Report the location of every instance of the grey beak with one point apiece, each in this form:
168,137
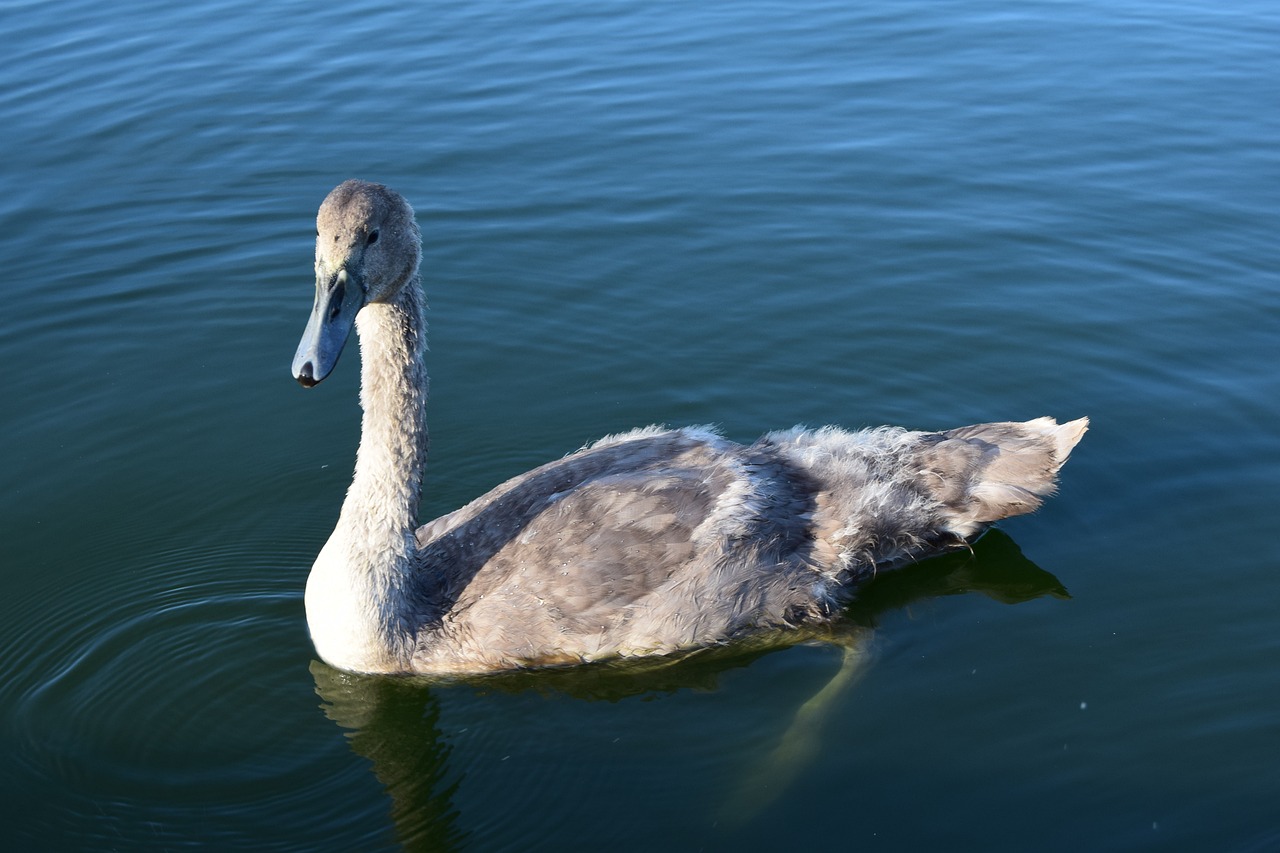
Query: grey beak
339,299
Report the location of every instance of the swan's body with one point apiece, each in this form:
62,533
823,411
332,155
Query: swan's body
645,543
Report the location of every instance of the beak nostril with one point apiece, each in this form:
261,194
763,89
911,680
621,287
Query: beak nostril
339,296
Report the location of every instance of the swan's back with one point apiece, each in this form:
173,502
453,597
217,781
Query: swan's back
662,540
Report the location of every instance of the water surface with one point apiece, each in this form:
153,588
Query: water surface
748,214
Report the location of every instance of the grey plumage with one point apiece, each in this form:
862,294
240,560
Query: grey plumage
644,543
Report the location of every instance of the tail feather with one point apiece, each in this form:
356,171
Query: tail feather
987,472
887,496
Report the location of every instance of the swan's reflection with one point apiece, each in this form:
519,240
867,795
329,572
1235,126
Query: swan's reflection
393,722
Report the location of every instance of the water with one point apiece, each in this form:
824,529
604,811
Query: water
749,214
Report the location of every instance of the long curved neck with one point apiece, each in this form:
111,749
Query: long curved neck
382,503
359,587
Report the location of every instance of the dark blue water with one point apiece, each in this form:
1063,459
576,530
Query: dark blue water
750,214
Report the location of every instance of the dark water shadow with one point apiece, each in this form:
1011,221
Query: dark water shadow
394,722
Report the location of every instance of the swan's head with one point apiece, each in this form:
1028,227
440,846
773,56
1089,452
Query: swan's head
367,249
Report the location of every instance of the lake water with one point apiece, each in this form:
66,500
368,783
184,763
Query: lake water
752,214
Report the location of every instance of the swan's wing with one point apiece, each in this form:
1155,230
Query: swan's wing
641,452
625,548
433,530
610,506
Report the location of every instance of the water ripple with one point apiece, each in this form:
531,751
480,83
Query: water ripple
755,214
190,698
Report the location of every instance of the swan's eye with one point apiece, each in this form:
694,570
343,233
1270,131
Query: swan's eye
372,238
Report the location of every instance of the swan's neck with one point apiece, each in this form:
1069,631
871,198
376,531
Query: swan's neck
359,587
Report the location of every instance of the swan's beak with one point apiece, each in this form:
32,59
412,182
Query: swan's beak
338,299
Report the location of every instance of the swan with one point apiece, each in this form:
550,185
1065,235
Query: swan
649,542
